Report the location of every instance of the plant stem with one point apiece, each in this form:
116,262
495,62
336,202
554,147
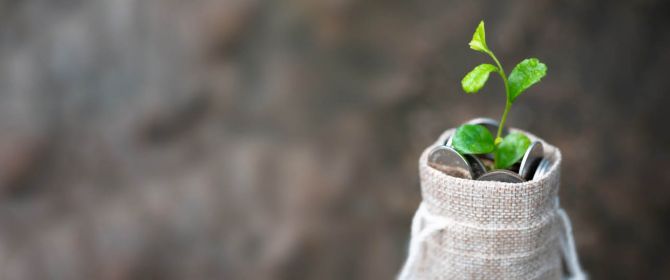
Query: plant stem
508,104
502,121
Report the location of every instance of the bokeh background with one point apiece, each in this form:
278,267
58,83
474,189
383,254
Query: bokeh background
248,139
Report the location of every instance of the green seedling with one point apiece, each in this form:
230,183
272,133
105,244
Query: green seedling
476,139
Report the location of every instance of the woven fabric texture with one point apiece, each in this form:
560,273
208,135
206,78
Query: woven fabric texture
489,230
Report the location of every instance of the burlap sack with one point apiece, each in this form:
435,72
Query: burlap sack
467,229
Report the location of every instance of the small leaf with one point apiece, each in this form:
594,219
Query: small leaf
475,80
525,74
473,139
511,149
478,41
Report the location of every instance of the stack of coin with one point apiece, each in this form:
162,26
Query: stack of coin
480,167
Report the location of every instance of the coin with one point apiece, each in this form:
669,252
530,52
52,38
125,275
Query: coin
449,140
488,163
531,160
502,175
450,162
477,166
490,124
542,168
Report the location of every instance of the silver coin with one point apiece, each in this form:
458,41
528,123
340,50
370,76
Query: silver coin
490,124
531,160
502,175
450,162
477,166
542,169
449,140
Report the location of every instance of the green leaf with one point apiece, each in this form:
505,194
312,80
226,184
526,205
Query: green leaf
478,41
511,149
525,74
475,80
473,139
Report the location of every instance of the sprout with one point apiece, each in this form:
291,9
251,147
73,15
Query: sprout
475,139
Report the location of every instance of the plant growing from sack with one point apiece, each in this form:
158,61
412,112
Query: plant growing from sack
501,214
477,139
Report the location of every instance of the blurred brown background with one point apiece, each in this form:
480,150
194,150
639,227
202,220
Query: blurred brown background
245,139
